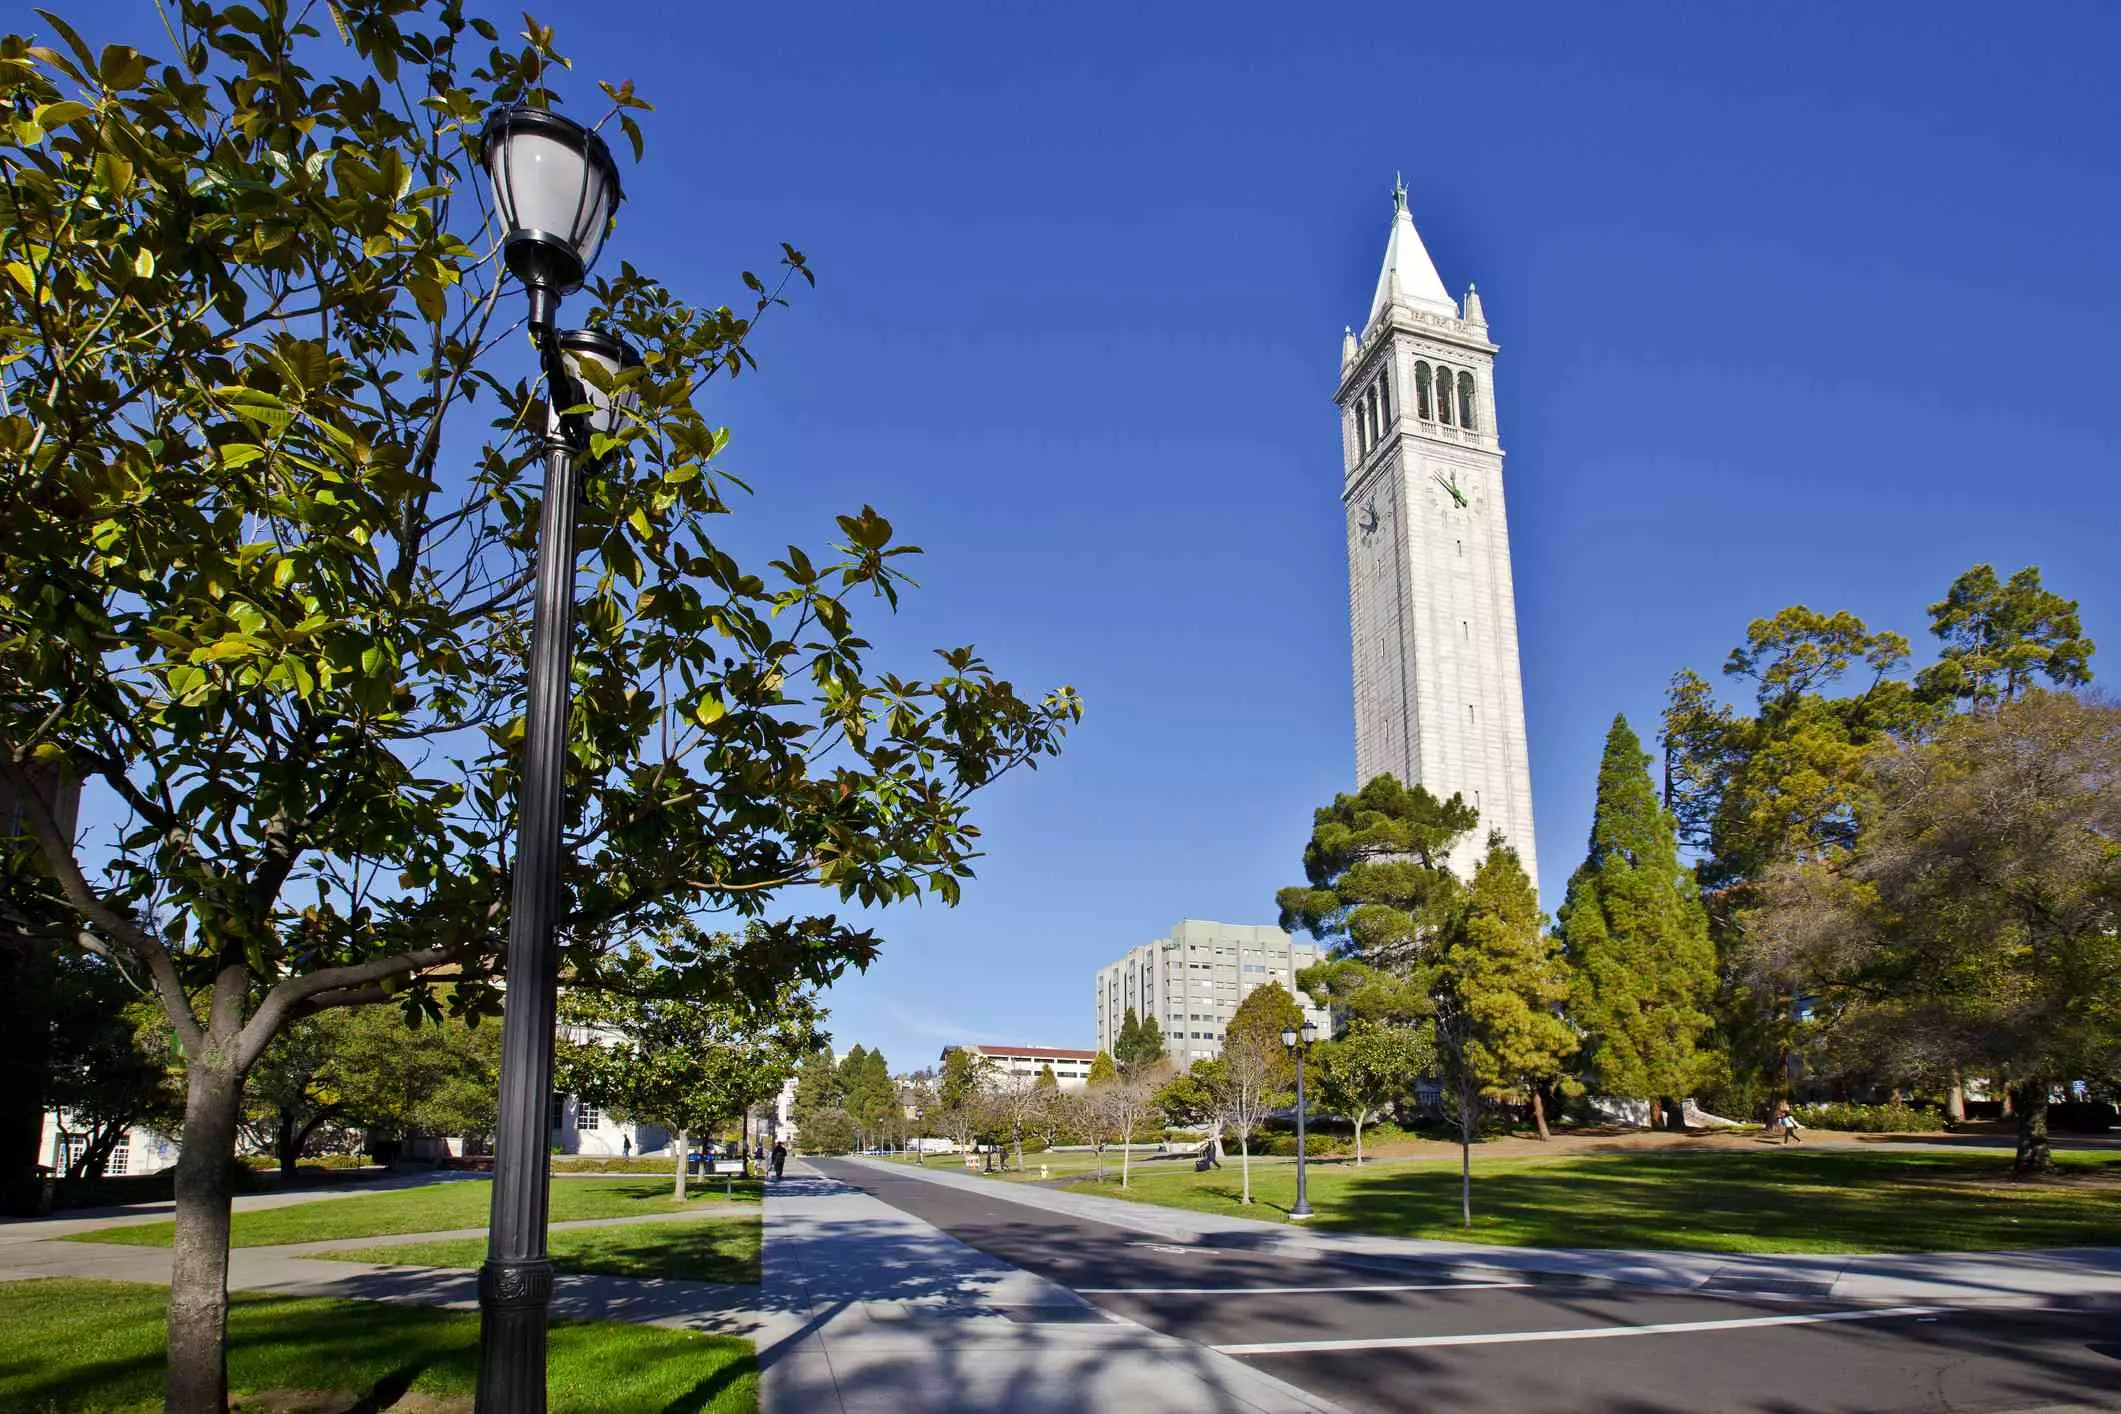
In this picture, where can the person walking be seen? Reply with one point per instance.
(1787, 1123)
(780, 1158)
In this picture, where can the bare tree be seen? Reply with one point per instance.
(1132, 1100)
(1245, 1084)
(1015, 1099)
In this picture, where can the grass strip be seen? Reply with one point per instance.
(438, 1207)
(719, 1249)
(75, 1345)
(1776, 1200)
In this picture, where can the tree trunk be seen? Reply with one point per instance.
(25, 1059)
(1244, 1150)
(1126, 1158)
(2034, 1156)
(1465, 1152)
(1539, 1113)
(1955, 1098)
(286, 1144)
(1017, 1137)
(1359, 1116)
(198, 1284)
(1656, 1113)
(681, 1144)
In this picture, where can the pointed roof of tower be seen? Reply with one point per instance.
(1409, 277)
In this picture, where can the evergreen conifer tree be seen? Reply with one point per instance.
(1507, 977)
(1636, 938)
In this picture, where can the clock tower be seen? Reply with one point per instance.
(1439, 701)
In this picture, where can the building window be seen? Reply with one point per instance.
(1443, 395)
(1384, 395)
(1465, 401)
(556, 1114)
(1421, 391)
(120, 1158)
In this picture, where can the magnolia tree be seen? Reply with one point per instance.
(659, 1053)
(270, 460)
(1370, 1067)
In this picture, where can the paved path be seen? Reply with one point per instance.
(2033, 1278)
(898, 1318)
(1421, 1327)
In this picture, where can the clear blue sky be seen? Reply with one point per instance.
(1797, 303)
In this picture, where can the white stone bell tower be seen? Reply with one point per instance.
(1439, 701)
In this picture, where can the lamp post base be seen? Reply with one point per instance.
(513, 1298)
(1297, 1215)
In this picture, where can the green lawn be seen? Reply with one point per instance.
(94, 1345)
(1773, 1200)
(724, 1249)
(439, 1207)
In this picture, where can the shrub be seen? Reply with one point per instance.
(1871, 1119)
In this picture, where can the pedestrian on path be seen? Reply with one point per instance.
(1787, 1123)
(780, 1158)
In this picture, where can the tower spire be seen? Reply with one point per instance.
(1409, 277)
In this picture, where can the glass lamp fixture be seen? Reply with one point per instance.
(1288, 1037)
(611, 355)
(555, 186)
(1310, 1032)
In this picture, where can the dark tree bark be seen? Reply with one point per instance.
(25, 1059)
(2034, 1155)
(198, 1287)
(1539, 1113)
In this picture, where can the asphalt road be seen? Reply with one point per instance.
(1403, 1335)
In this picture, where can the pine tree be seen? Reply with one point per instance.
(1508, 979)
(1636, 938)
(1130, 1035)
(1140, 1044)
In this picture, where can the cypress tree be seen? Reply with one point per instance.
(1637, 938)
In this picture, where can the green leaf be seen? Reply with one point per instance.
(236, 645)
(54, 115)
(235, 454)
(144, 262)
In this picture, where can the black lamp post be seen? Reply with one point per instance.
(556, 188)
(1299, 1040)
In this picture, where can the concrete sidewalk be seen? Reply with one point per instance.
(2034, 1278)
(872, 1309)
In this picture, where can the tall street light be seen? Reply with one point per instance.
(555, 187)
(1299, 1040)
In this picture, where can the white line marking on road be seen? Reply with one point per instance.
(1408, 1342)
(1290, 1290)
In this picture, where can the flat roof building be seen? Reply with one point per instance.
(1070, 1067)
(1192, 981)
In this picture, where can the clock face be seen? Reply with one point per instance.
(1449, 482)
(1368, 519)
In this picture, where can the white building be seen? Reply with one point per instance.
(1439, 701)
(1071, 1068)
(1192, 981)
(140, 1151)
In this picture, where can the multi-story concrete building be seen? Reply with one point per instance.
(1193, 980)
(1071, 1068)
(1439, 701)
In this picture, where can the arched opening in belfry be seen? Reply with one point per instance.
(1465, 400)
(1443, 395)
(1421, 391)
